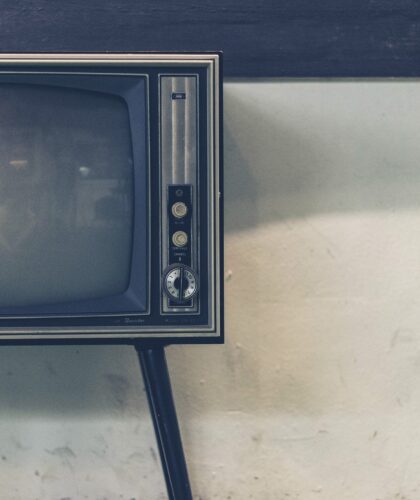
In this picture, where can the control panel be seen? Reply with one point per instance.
(179, 191)
(180, 281)
(180, 217)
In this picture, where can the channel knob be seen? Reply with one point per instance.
(180, 238)
(179, 209)
(180, 283)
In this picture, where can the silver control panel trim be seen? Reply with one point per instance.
(179, 134)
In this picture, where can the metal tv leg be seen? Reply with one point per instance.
(162, 408)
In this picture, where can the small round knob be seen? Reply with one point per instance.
(179, 209)
(180, 238)
(180, 283)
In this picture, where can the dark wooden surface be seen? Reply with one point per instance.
(291, 38)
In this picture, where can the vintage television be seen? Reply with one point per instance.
(110, 198)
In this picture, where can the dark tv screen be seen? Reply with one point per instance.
(66, 195)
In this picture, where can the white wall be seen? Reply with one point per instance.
(316, 393)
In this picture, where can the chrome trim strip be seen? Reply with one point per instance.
(141, 59)
(149, 198)
(214, 195)
(120, 334)
(217, 194)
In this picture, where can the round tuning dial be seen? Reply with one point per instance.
(180, 283)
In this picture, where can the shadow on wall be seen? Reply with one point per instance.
(298, 149)
(292, 150)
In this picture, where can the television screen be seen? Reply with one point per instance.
(66, 195)
(110, 197)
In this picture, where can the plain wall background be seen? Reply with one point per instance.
(315, 394)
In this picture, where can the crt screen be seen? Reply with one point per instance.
(66, 195)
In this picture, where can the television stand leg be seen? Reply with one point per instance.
(162, 408)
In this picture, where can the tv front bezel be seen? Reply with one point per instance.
(132, 328)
